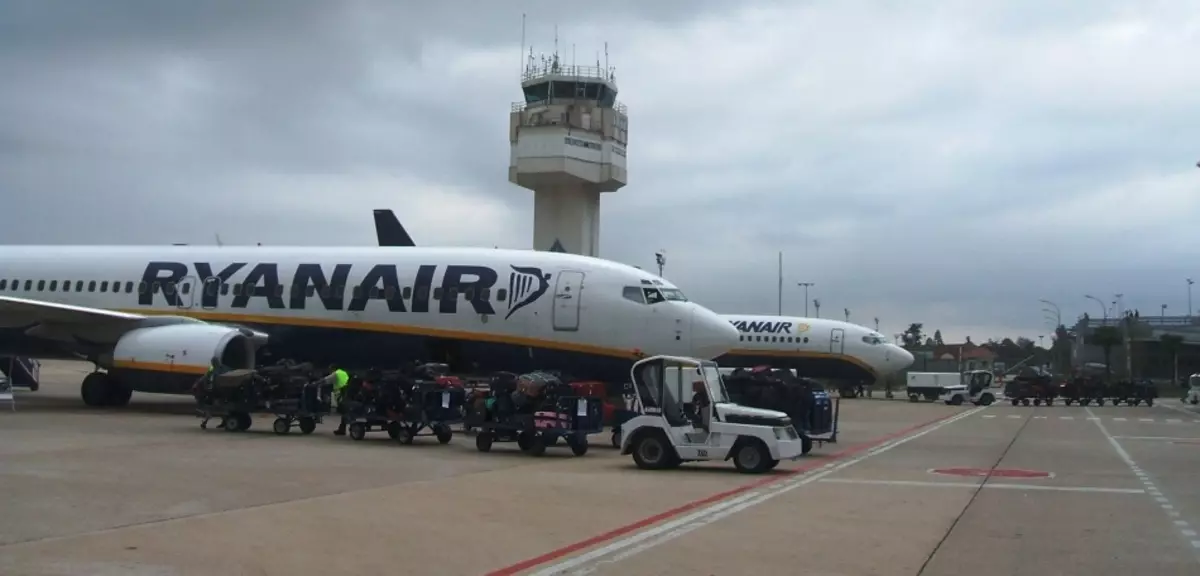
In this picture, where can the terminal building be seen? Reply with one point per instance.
(1145, 351)
(569, 138)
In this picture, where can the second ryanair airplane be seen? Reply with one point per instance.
(154, 317)
(814, 347)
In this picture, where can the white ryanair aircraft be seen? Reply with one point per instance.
(154, 317)
(814, 347)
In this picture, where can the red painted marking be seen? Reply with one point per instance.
(690, 506)
(992, 472)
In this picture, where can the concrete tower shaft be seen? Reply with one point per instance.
(569, 138)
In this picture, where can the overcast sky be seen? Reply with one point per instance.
(929, 161)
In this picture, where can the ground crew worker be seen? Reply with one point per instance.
(339, 379)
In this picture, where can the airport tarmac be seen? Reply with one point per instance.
(910, 489)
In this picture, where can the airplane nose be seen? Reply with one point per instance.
(712, 336)
(903, 357)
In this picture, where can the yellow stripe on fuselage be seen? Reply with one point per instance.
(390, 329)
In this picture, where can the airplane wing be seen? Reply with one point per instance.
(41, 311)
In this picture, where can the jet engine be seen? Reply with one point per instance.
(168, 359)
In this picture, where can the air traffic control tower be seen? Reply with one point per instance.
(568, 139)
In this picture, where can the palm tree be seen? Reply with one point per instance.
(1106, 337)
(1172, 343)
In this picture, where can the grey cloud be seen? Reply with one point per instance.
(879, 149)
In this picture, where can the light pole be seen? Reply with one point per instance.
(817, 305)
(1057, 312)
(660, 258)
(847, 311)
(805, 286)
(1120, 305)
(1041, 339)
(876, 323)
(1190, 282)
(1162, 315)
(1103, 306)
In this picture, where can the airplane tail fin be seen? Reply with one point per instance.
(389, 230)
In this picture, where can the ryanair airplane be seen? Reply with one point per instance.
(153, 318)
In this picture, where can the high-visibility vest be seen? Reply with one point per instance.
(341, 379)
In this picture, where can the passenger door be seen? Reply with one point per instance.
(568, 292)
(836, 344)
(186, 290)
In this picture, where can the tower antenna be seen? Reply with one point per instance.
(522, 71)
(606, 60)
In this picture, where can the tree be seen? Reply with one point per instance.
(1172, 343)
(937, 338)
(1106, 337)
(913, 336)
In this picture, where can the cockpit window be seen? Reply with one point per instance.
(673, 294)
(653, 296)
(874, 339)
(634, 293)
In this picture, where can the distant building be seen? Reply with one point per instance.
(967, 356)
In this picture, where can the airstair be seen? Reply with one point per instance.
(22, 371)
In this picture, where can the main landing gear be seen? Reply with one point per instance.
(101, 389)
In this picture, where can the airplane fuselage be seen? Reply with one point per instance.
(480, 310)
(814, 347)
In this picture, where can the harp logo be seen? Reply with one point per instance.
(525, 285)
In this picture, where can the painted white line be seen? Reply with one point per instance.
(1174, 421)
(1092, 418)
(1039, 417)
(1145, 419)
(991, 485)
(636, 543)
(1137, 470)
(1114, 419)
(1015, 416)
(1159, 438)
(989, 415)
(1066, 417)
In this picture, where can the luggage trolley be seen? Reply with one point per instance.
(432, 403)
(534, 410)
(231, 396)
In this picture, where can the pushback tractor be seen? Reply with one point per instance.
(684, 415)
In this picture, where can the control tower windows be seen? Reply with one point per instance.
(568, 90)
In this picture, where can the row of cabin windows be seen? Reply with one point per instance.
(212, 288)
(790, 339)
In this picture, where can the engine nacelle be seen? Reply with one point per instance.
(169, 359)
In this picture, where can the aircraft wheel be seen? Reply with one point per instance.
(281, 426)
(117, 394)
(94, 389)
(307, 425)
